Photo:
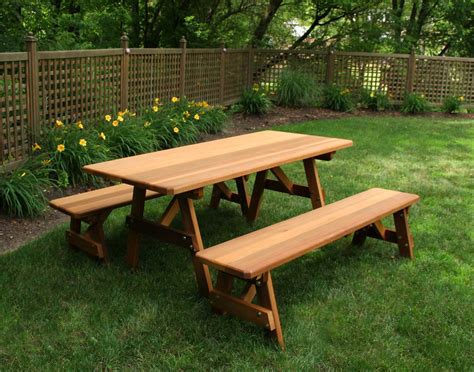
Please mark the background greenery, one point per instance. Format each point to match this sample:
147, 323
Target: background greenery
444, 27
341, 307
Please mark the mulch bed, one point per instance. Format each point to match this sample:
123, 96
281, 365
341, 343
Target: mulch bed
15, 232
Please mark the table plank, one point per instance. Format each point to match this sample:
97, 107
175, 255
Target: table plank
186, 168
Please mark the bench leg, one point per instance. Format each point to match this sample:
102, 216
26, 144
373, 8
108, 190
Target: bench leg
263, 314
92, 241
404, 237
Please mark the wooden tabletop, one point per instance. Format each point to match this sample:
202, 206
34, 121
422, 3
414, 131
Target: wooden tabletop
186, 168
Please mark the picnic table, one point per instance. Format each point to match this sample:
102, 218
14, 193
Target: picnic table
183, 173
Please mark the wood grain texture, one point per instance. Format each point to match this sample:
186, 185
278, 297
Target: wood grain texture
88, 203
185, 168
260, 251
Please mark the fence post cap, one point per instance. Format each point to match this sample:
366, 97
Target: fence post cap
30, 37
124, 37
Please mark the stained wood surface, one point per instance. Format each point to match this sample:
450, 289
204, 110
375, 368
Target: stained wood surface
261, 251
189, 167
87, 203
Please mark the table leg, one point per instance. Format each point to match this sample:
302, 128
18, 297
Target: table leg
191, 226
314, 185
222, 191
257, 194
138, 207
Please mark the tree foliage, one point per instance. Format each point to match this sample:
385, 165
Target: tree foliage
442, 27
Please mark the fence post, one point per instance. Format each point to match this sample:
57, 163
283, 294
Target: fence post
222, 74
32, 87
250, 68
182, 66
411, 71
330, 62
124, 72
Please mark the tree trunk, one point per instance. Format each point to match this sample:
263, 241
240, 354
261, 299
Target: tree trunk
265, 21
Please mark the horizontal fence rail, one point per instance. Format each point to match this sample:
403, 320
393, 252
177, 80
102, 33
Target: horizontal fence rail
38, 87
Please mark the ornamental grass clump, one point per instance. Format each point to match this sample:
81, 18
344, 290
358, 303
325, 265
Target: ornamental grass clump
337, 98
452, 104
375, 101
69, 147
125, 135
22, 190
415, 103
254, 101
296, 89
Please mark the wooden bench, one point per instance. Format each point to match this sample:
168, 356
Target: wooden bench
93, 208
251, 257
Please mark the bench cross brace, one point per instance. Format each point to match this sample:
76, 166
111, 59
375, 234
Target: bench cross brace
263, 313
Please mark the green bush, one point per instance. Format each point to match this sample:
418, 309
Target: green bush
71, 146
415, 103
452, 104
375, 101
125, 135
22, 190
255, 101
337, 98
213, 118
296, 89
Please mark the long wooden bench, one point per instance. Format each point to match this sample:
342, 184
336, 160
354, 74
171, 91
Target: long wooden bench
93, 208
251, 257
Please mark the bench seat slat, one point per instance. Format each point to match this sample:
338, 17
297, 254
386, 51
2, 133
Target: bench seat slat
88, 203
253, 254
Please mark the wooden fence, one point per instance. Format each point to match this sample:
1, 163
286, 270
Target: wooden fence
38, 87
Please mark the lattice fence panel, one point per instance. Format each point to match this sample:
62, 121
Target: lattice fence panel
13, 108
440, 78
384, 73
77, 88
155, 74
202, 75
269, 65
236, 70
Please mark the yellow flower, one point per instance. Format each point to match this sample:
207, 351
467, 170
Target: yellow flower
102, 136
80, 125
372, 94
121, 113
46, 162
133, 114
115, 123
186, 114
205, 104
61, 148
83, 142
146, 124
23, 174
120, 118
155, 108
255, 87
59, 124
345, 91
36, 147
157, 100
176, 129
461, 98
108, 117
196, 117
174, 99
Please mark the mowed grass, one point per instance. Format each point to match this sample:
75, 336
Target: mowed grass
341, 307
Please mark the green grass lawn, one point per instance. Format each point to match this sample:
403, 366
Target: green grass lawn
340, 307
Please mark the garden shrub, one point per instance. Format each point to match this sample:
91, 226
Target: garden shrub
452, 104
22, 190
415, 103
375, 101
337, 98
255, 101
70, 147
296, 89
125, 135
